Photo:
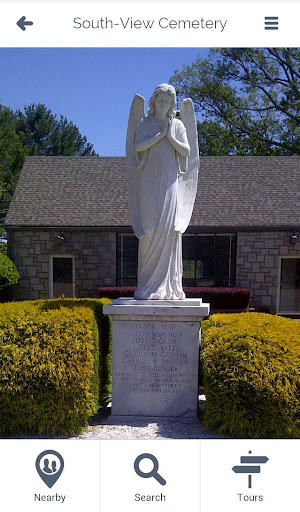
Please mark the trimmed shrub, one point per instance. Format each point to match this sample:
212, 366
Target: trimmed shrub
221, 298
3, 247
218, 298
48, 369
251, 364
10, 311
9, 274
105, 348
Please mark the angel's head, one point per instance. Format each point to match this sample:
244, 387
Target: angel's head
163, 98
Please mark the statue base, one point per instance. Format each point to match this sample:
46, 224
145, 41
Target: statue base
155, 356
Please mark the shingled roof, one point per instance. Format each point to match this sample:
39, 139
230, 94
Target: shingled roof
233, 192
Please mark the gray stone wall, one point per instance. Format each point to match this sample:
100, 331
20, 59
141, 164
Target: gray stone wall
95, 260
257, 265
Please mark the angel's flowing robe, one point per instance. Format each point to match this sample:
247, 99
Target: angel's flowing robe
160, 249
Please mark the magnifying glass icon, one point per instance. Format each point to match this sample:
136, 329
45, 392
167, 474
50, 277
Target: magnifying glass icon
151, 473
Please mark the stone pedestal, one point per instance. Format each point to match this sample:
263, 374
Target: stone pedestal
155, 355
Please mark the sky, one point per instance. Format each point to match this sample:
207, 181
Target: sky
92, 87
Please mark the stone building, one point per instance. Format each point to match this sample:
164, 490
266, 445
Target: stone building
69, 228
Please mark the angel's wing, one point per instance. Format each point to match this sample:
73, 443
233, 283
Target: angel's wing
187, 181
137, 113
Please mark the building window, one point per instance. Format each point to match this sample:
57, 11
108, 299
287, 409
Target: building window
127, 260
208, 260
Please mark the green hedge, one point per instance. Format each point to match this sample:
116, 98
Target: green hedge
48, 369
251, 365
105, 352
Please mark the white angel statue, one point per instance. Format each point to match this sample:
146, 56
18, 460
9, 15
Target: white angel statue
162, 165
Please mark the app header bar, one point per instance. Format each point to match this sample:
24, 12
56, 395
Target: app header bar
143, 24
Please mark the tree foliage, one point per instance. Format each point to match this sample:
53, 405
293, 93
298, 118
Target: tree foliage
12, 155
9, 274
33, 131
248, 100
43, 133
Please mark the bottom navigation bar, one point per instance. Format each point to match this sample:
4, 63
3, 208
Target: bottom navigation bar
171, 475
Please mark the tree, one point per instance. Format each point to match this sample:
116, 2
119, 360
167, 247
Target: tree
42, 133
35, 131
11, 158
248, 100
9, 274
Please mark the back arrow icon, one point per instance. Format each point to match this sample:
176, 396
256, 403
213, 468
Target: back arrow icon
22, 23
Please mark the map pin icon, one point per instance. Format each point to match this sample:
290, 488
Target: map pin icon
47, 467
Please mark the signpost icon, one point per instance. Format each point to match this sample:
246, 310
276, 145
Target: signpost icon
250, 459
